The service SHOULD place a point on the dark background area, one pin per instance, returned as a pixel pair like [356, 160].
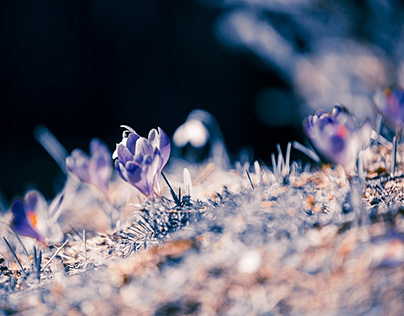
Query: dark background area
[83, 68]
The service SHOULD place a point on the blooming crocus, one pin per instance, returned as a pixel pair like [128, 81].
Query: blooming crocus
[139, 161]
[25, 217]
[31, 217]
[96, 169]
[337, 137]
[390, 104]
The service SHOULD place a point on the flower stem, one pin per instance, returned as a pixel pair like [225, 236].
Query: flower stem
[355, 184]
[396, 141]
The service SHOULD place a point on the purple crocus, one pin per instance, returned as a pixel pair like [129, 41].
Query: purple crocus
[25, 221]
[96, 169]
[390, 104]
[337, 137]
[139, 161]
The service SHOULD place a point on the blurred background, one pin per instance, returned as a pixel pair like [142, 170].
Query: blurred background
[83, 68]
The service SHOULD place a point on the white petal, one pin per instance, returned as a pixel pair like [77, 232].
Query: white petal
[193, 132]
[130, 129]
[187, 182]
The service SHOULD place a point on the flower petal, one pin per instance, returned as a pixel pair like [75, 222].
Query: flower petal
[336, 144]
[152, 173]
[78, 164]
[137, 177]
[164, 146]
[20, 223]
[124, 154]
[138, 159]
[31, 201]
[153, 138]
[131, 143]
[337, 137]
[100, 168]
[120, 168]
[36, 203]
[143, 146]
[391, 105]
[130, 129]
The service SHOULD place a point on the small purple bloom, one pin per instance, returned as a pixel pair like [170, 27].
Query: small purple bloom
[390, 104]
[139, 161]
[25, 221]
[96, 169]
[337, 137]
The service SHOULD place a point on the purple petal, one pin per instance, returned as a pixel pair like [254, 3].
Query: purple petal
[101, 159]
[95, 170]
[97, 145]
[18, 210]
[124, 155]
[131, 143]
[20, 223]
[137, 177]
[322, 112]
[100, 174]
[398, 96]
[153, 173]
[78, 164]
[308, 125]
[100, 152]
[31, 201]
[324, 120]
[164, 147]
[139, 158]
[134, 172]
[144, 147]
[336, 144]
[148, 159]
[391, 105]
[120, 169]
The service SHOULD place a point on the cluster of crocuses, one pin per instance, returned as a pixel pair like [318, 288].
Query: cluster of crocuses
[338, 138]
[140, 161]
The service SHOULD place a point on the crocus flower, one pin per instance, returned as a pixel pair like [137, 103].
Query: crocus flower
[96, 169]
[25, 217]
[31, 218]
[390, 104]
[139, 161]
[337, 137]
